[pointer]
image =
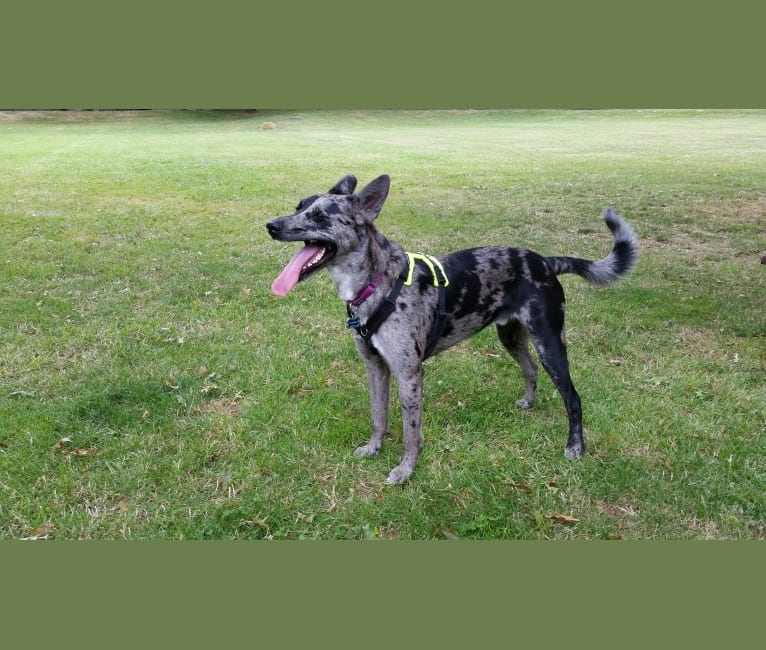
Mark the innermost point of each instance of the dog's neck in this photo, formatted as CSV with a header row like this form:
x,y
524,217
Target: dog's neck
x,y
376,263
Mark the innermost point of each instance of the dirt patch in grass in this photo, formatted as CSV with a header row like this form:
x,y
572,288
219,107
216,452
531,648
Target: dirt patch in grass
x,y
704,529
645,452
736,211
701,344
713,229
220,406
624,516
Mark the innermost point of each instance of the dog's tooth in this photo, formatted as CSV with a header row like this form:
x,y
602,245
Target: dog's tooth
x,y
315,260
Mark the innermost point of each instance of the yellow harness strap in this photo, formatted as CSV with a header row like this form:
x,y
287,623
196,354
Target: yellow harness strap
x,y
432,263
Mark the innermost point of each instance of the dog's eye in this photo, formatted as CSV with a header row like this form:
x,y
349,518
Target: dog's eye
x,y
319,218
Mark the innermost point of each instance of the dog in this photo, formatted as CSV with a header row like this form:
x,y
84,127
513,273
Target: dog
x,y
405,308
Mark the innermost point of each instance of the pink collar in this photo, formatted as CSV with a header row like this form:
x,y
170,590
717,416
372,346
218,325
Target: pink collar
x,y
367,291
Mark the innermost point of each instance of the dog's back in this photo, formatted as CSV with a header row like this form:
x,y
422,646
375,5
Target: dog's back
x,y
499,284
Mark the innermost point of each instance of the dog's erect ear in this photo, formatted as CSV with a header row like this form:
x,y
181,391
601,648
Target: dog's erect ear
x,y
345,185
373,195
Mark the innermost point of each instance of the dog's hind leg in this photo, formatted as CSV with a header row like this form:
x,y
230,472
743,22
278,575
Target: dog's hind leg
x,y
515,339
548,339
379,383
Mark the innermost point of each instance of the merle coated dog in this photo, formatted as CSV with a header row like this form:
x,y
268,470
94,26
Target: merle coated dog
x,y
405,308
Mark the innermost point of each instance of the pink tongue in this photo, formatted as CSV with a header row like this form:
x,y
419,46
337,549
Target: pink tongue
x,y
289,276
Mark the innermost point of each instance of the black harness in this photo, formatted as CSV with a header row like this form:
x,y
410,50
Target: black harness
x,y
388,305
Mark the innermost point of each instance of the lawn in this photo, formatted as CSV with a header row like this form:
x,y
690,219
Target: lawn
x,y
152,387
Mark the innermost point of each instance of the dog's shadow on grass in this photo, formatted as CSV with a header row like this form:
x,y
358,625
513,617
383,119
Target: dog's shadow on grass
x,y
131,404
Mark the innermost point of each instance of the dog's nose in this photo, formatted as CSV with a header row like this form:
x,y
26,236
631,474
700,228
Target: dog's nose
x,y
273,228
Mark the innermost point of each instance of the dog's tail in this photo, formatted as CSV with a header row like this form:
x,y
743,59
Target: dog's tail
x,y
614,266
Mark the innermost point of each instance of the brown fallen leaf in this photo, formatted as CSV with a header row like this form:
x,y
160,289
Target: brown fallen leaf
x,y
564,519
61,443
80,452
45,529
39,533
525,487
123,505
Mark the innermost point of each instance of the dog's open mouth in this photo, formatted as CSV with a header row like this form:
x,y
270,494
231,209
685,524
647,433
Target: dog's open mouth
x,y
307,261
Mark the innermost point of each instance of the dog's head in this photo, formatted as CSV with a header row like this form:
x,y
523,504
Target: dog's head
x,y
331,226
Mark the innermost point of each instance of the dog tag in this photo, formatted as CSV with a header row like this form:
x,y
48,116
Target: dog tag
x,y
353,322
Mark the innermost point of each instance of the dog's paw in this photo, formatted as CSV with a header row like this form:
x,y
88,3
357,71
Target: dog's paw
x,y
365,450
574,451
399,474
524,403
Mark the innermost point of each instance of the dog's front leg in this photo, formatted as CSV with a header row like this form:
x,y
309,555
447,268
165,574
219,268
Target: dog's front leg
x,y
411,398
379,382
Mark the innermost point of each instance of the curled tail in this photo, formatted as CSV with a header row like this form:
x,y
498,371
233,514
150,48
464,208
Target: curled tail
x,y
613,267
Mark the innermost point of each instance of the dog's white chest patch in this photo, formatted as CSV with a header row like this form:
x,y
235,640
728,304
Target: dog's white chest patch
x,y
342,284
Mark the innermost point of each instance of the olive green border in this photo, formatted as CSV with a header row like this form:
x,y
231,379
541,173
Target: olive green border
x,y
375,594
342,54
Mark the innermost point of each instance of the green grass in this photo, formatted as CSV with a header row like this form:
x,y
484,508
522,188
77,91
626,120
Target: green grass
x,y
152,387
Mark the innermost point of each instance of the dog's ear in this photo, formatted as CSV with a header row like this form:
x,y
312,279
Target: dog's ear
x,y
373,195
345,185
